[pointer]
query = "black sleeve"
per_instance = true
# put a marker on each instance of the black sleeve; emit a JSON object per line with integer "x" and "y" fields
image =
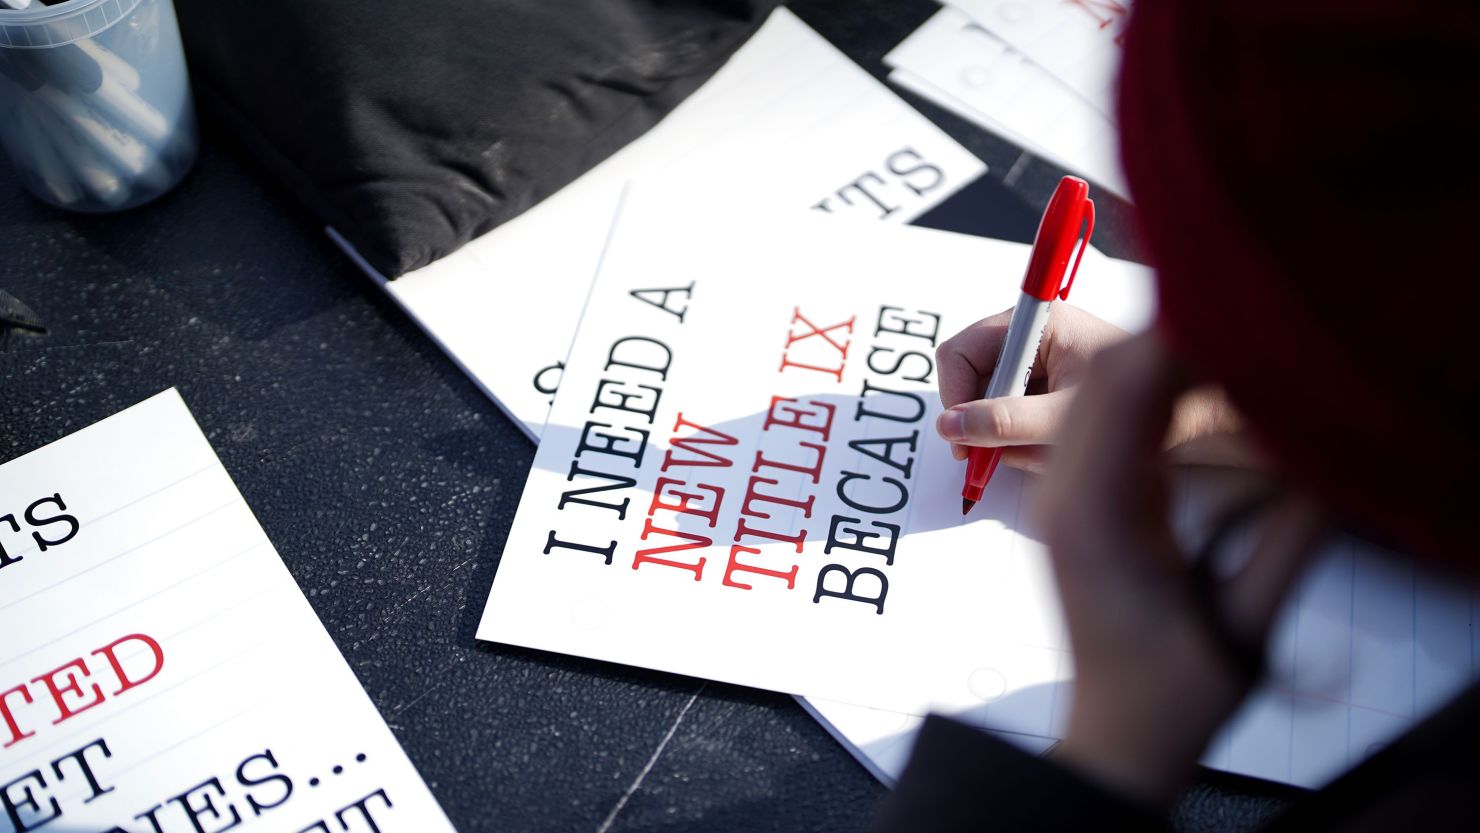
{"x": 961, "y": 778}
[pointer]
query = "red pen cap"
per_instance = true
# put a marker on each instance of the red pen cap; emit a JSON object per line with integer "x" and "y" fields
{"x": 1069, "y": 210}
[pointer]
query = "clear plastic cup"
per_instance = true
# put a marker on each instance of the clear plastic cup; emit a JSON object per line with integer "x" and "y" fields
{"x": 95, "y": 108}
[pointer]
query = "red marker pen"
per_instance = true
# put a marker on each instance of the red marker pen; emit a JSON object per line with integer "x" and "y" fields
{"x": 1068, "y": 210}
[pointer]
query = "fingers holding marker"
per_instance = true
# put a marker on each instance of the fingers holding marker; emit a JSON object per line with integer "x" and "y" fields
{"x": 966, "y": 363}
{"x": 965, "y": 360}
{"x": 1007, "y": 421}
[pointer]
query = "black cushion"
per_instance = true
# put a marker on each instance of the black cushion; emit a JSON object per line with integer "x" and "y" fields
{"x": 413, "y": 127}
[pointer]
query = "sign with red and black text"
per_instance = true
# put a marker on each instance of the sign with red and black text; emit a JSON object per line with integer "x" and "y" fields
{"x": 161, "y": 672}
{"x": 741, "y": 478}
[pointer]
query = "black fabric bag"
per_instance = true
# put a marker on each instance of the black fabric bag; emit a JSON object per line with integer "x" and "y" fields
{"x": 413, "y": 127}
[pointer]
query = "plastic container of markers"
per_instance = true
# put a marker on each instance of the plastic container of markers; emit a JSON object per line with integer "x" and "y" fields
{"x": 95, "y": 107}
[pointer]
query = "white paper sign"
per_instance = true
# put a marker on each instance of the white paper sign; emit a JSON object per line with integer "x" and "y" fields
{"x": 161, "y": 670}
{"x": 958, "y": 64}
{"x": 1079, "y": 42}
{"x": 741, "y": 479}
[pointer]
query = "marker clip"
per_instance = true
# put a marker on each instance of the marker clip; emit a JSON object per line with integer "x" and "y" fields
{"x": 1089, "y": 219}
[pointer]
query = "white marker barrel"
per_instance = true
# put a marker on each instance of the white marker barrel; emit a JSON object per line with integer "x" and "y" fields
{"x": 1020, "y": 350}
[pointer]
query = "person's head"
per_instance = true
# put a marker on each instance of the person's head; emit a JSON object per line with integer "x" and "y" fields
{"x": 1306, "y": 173}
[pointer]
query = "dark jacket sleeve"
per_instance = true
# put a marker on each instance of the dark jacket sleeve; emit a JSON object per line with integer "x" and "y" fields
{"x": 961, "y": 778}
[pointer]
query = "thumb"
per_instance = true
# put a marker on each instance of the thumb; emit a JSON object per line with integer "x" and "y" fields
{"x": 1009, "y": 420}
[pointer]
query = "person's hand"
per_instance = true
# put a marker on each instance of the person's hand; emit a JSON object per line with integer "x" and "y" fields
{"x": 1205, "y": 429}
{"x": 1160, "y": 649}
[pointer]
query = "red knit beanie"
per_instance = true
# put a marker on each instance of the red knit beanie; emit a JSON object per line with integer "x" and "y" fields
{"x": 1306, "y": 173}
